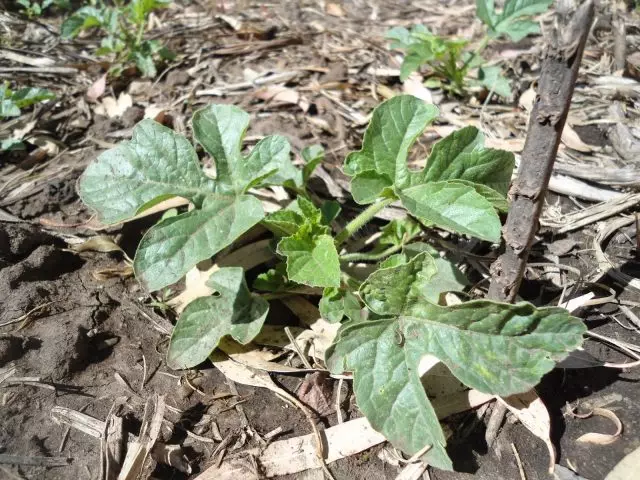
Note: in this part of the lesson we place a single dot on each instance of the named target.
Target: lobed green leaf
(394, 127)
(233, 311)
(157, 163)
(496, 348)
(220, 130)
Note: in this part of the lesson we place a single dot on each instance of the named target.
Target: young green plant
(34, 8)
(11, 104)
(390, 320)
(449, 60)
(124, 26)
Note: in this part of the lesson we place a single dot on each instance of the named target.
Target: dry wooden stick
(548, 116)
(619, 35)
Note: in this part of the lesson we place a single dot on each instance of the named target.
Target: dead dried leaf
(113, 108)
(602, 438)
(279, 94)
(334, 9)
(316, 391)
(414, 86)
(140, 87)
(412, 471)
(48, 144)
(514, 145)
(526, 99)
(96, 90)
(322, 333)
(252, 356)
(103, 274)
(172, 455)
(99, 243)
(234, 468)
(138, 450)
(572, 140)
(532, 413)
(563, 246)
(298, 454)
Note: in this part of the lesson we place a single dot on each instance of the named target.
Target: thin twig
(299, 351)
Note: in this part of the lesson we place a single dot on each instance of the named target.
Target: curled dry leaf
(526, 99)
(532, 413)
(572, 140)
(322, 333)
(601, 438)
(569, 136)
(251, 356)
(99, 243)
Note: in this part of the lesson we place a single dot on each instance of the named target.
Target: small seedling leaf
(485, 11)
(312, 258)
(336, 303)
(399, 232)
(313, 156)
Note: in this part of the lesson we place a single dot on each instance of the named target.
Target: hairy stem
(370, 257)
(361, 220)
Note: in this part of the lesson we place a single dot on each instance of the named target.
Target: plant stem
(371, 257)
(361, 220)
(140, 32)
(478, 50)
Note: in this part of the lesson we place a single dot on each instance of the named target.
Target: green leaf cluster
(34, 8)
(448, 59)
(461, 188)
(123, 26)
(391, 319)
(11, 102)
(513, 21)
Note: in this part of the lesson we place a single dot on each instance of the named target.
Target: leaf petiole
(361, 220)
(370, 257)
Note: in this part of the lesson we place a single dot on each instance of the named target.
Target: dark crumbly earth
(81, 334)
